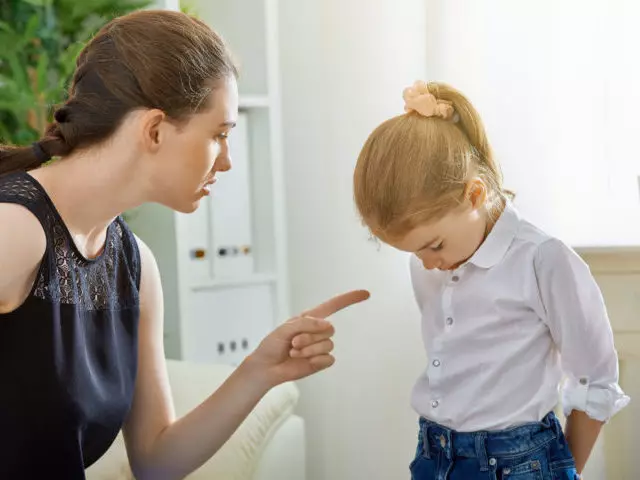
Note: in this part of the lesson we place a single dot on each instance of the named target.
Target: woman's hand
(301, 346)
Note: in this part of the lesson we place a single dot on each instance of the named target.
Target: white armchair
(269, 445)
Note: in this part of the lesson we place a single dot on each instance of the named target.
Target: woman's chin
(186, 206)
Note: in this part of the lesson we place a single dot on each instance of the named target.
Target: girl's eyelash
(437, 247)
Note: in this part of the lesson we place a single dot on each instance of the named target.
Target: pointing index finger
(337, 303)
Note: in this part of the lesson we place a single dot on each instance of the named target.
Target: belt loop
(481, 451)
(548, 421)
(450, 448)
(426, 441)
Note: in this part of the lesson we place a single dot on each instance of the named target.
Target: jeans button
(492, 462)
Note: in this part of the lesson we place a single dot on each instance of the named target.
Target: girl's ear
(476, 192)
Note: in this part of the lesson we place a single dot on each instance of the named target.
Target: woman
(151, 105)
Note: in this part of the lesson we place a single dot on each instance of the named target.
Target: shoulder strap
(131, 249)
(22, 189)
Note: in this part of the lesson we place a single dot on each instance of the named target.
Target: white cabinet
(227, 323)
(556, 84)
(224, 267)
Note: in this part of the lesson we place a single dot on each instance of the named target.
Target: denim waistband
(485, 445)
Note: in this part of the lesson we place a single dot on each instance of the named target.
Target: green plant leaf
(40, 41)
(30, 30)
(38, 3)
(42, 70)
(18, 71)
(8, 40)
(5, 135)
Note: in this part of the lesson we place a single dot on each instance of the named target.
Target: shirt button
(435, 404)
(449, 321)
(583, 381)
(455, 278)
(436, 363)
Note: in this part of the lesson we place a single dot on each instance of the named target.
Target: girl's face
(188, 156)
(450, 241)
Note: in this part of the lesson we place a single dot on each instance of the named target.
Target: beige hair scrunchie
(417, 98)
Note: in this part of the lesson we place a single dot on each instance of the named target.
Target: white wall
(344, 65)
(556, 83)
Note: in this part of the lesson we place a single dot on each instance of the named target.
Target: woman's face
(191, 153)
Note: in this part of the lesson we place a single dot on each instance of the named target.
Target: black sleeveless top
(68, 354)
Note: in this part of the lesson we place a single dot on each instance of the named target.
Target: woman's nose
(223, 161)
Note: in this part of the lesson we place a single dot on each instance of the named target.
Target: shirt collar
(497, 243)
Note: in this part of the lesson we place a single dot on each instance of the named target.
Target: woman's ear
(476, 192)
(151, 125)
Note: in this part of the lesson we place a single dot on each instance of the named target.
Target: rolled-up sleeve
(577, 318)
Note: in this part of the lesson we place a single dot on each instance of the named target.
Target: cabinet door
(224, 325)
(231, 219)
(194, 242)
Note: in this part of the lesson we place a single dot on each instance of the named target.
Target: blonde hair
(414, 169)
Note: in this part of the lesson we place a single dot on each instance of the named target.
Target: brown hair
(147, 59)
(413, 169)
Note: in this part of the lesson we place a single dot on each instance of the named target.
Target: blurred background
(558, 86)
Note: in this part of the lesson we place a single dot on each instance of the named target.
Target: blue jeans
(535, 451)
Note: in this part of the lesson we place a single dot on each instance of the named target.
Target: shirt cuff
(597, 401)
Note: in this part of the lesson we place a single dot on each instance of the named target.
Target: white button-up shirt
(503, 329)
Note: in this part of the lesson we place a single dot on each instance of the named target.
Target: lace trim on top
(65, 276)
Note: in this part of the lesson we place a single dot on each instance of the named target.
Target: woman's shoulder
(22, 246)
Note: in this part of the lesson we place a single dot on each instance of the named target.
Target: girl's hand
(301, 346)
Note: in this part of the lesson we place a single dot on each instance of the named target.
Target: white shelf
(256, 279)
(253, 101)
(219, 298)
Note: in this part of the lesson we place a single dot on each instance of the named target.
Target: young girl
(506, 308)
(151, 105)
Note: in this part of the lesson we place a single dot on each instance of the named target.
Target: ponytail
(470, 123)
(21, 159)
(18, 159)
